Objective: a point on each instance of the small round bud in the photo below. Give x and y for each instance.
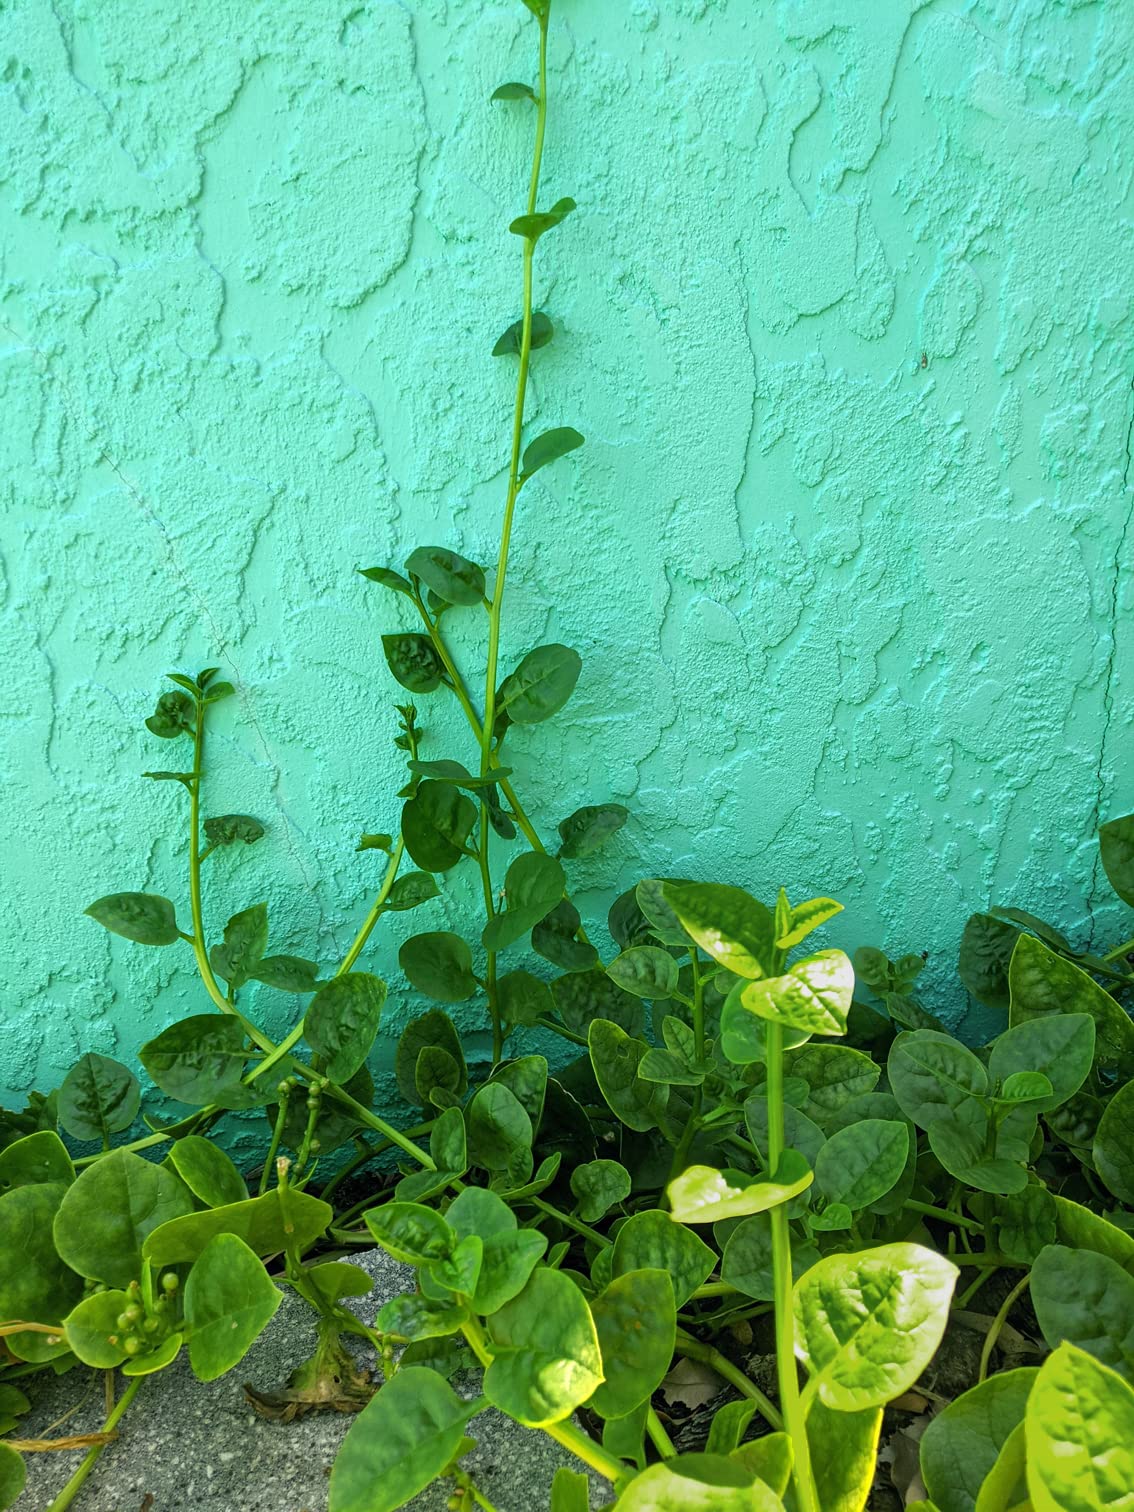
(315, 1147)
(170, 1281)
(284, 1088)
(132, 1345)
(152, 1325)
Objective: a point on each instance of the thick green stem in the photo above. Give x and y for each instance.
(69, 1492)
(658, 1436)
(694, 1349)
(786, 1368)
(945, 1215)
(998, 1323)
(1120, 951)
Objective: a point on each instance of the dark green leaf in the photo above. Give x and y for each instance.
(1043, 983)
(227, 829)
(549, 447)
(388, 578)
(173, 716)
(526, 1079)
(207, 1171)
(432, 1029)
(413, 661)
(229, 1301)
(858, 1165)
(511, 92)
(615, 1058)
(834, 1074)
(1024, 1222)
(1116, 848)
(198, 1060)
(510, 343)
(587, 829)
(411, 891)
(523, 998)
(287, 973)
(599, 1185)
(645, 971)
(245, 940)
(651, 1240)
(342, 1020)
(459, 775)
(747, 1259)
(584, 996)
(114, 1206)
(440, 965)
(540, 685)
(36, 1286)
(532, 227)
(636, 1321)
(1114, 1144)
(555, 938)
(533, 885)
(436, 822)
(186, 779)
(145, 918)
(499, 1130)
(99, 1097)
(451, 577)
(382, 842)
(986, 949)
(1088, 1299)
(1060, 1047)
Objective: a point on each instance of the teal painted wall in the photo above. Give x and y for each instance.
(846, 316)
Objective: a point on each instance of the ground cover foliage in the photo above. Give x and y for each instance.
(753, 1137)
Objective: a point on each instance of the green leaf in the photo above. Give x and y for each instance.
(436, 822)
(510, 1254)
(935, 1078)
(439, 964)
(800, 1133)
(834, 1075)
(1025, 1087)
(653, 908)
(92, 1329)
(867, 1325)
(510, 343)
(287, 973)
(804, 917)
(416, 1317)
(511, 92)
(335, 1279)
(1088, 1300)
(728, 1426)
(570, 1491)
(207, 1171)
(858, 1165)
(532, 227)
(636, 1322)
(99, 1097)
(198, 1060)
(526, 1079)
(1043, 983)
(388, 578)
(747, 1259)
(546, 1360)
(582, 997)
(727, 923)
(163, 1354)
(1080, 1436)
(229, 1301)
(245, 940)
(652, 1240)
(144, 918)
(13, 1475)
(1114, 1144)
(401, 1441)
(844, 1455)
(588, 829)
(814, 996)
(599, 1185)
(533, 885)
(458, 774)
(540, 685)
(430, 1030)
(499, 1130)
(342, 1020)
(228, 829)
(769, 1459)
(744, 1040)
(646, 971)
(698, 1483)
(34, 1159)
(450, 576)
(447, 1142)
(105, 1218)
(411, 891)
(260, 1222)
(1005, 1487)
(963, 1442)
(522, 997)
(413, 660)
(615, 1058)
(410, 1232)
(1079, 1228)
(36, 1286)
(704, 1195)
(1061, 1048)
(1024, 1222)
(986, 949)
(1116, 850)
(173, 716)
(555, 938)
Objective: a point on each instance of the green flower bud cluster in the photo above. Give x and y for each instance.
(140, 1329)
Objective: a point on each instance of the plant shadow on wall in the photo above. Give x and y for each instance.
(740, 1159)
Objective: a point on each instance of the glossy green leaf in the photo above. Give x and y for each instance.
(646, 971)
(433, 1029)
(1116, 850)
(844, 1455)
(342, 1020)
(546, 1359)
(34, 1159)
(99, 1097)
(814, 996)
(704, 1195)
(582, 997)
(934, 1077)
(207, 1171)
(245, 940)
(388, 579)
(1025, 1087)
(636, 1322)
(698, 1483)
(451, 577)
(588, 829)
(526, 1079)
(744, 1039)
(36, 1286)
(1079, 1429)
(556, 938)
(152, 1360)
(174, 715)
(728, 1426)
(1005, 1487)
(286, 973)
(615, 1058)
(417, 1317)
(986, 948)
(400, 1442)
(652, 1240)
(499, 1130)
(533, 227)
(570, 1491)
(800, 1133)
(510, 342)
(1079, 1228)
(769, 1459)
(229, 1301)
(260, 1222)
(533, 885)
(804, 917)
(92, 1329)
(509, 1260)
(867, 1325)
(747, 1259)
(413, 660)
(523, 998)
(411, 891)
(1061, 1048)
(1088, 1300)
(1024, 1222)
(231, 829)
(1043, 983)
(963, 1442)
(1114, 1144)
(858, 1165)
(107, 1215)
(727, 923)
(145, 918)
(410, 1232)
(834, 1074)
(598, 1186)
(198, 1060)
(540, 685)
(439, 964)
(436, 823)
(447, 1144)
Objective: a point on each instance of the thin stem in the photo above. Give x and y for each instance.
(561, 1029)
(277, 1135)
(373, 916)
(782, 1282)
(658, 1436)
(1120, 951)
(75, 1484)
(998, 1323)
(576, 1223)
(929, 1211)
(694, 1349)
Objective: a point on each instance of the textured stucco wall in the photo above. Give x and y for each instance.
(846, 316)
